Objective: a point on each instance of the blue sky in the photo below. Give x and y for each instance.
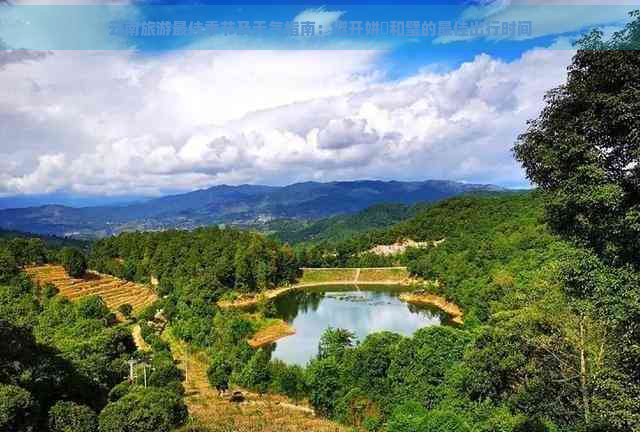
(86, 113)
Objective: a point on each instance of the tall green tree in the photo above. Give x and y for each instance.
(74, 262)
(584, 148)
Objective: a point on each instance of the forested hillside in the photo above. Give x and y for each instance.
(64, 365)
(222, 259)
(236, 205)
(52, 242)
(343, 226)
(549, 281)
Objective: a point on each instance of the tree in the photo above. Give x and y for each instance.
(256, 374)
(126, 310)
(219, 372)
(74, 262)
(323, 376)
(288, 380)
(144, 410)
(92, 307)
(334, 341)
(18, 409)
(49, 291)
(71, 417)
(584, 148)
(8, 266)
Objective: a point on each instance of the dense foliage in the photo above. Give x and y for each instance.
(74, 262)
(223, 259)
(341, 227)
(551, 332)
(583, 149)
(61, 361)
(549, 282)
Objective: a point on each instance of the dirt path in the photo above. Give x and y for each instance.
(268, 413)
(138, 340)
(355, 278)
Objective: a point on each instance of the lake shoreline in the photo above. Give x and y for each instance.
(281, 329)
(271, 334)
(252, 300)
(425, 298)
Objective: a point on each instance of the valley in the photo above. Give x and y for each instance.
(243, 206)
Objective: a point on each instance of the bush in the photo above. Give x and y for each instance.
(288, 380)
(407, 417)
(256, 374)
(71, 417)
(144, 410)
(219, 372)
(74, 262)
(126, 310)
(18, 410)
(119, 391)
(8, 266)
(49, 291)
(92, 307)
(324, 384)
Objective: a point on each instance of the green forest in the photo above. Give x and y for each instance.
(64, 366)
(549, 280)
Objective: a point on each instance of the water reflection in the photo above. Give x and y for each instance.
(362, 312)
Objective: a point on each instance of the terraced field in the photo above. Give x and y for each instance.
(114, 291)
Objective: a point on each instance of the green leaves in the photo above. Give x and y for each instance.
(584, 148)
(144, 410)
(74, 262)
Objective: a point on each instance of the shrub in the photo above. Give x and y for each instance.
(324, 383)
(18, 410)
(126, 310)
(144, 410)
(74, 262)
(71, 417)
(219, 372)
(288, 380)
(92, 307)
(407, 417)
(8, 266)
(49, 291)
(119, 391)
(256, 374)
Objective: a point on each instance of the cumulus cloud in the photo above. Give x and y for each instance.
(121, 123)
(548, 17)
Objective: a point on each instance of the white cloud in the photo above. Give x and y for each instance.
(119, 123)
(321, 17)
(548, 17)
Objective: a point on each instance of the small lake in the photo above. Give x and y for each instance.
(363, 310)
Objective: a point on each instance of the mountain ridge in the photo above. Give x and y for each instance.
(223, 204)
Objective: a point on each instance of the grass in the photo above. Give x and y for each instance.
(115, 292)
(214, 413)
(328, 275)
(394, 274)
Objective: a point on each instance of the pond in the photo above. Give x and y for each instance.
(363, 310)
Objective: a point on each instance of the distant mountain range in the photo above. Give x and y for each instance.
(236, 205)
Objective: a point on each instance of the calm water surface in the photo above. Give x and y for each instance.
(364, 311)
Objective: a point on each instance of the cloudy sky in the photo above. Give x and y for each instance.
(150, 120)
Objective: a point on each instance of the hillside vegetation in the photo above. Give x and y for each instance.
(113, 291)
(64, 364)
(236, 205)
(343, 226)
